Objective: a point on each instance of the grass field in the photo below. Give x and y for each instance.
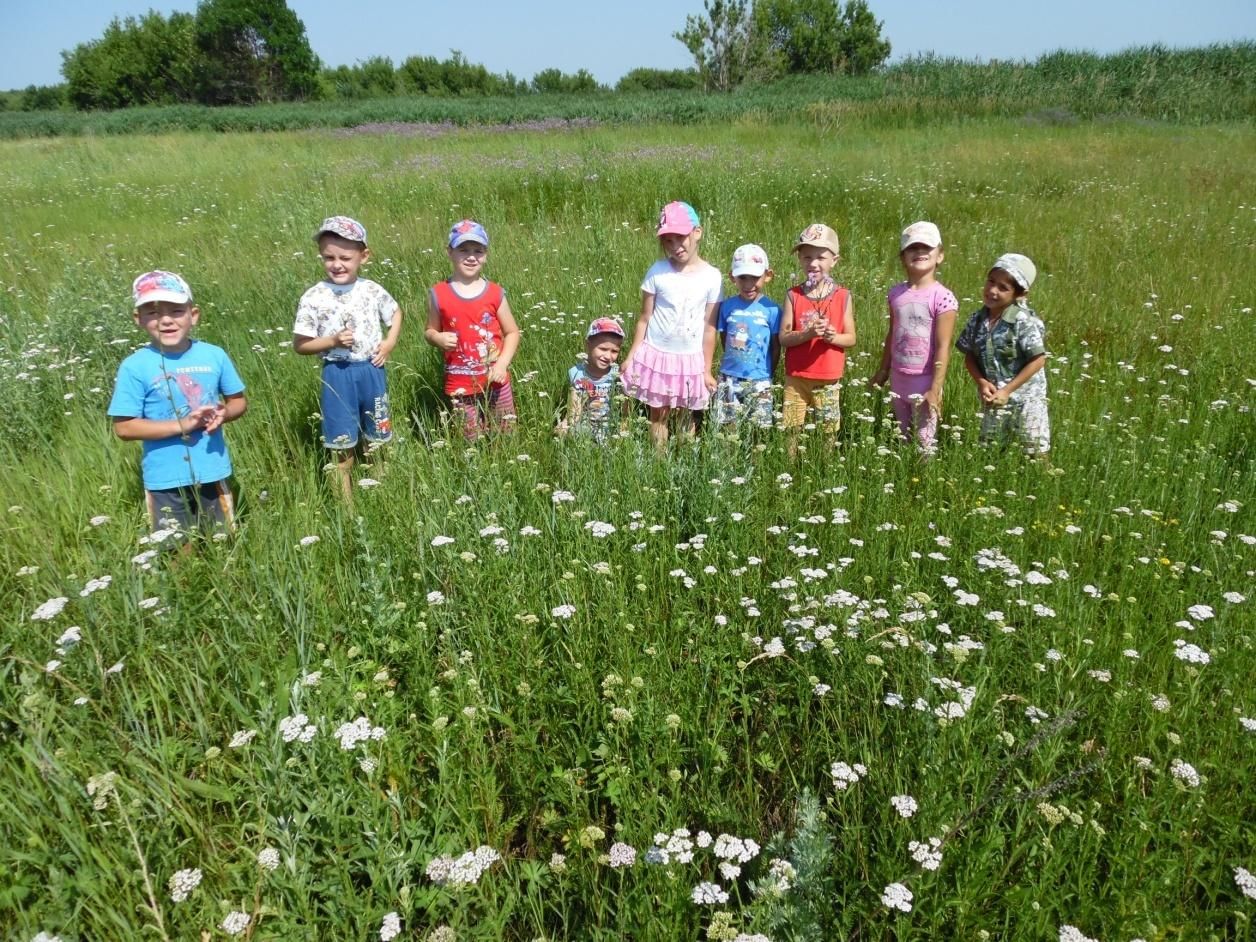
(1053, 663)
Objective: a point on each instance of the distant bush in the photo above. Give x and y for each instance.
(1217, 83)
(658, 80)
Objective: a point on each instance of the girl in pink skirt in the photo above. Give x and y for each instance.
(669, 364)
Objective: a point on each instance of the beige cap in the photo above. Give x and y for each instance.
(819, 235)
(920, 233)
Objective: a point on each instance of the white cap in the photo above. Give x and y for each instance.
(749, 259)
(922, 233)
(160, 286)
(1022, 270)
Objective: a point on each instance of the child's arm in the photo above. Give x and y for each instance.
(843, 338)
(445, 340)
(311, 345)
(789, 336)
(1000, 396)
(574, 411)
(985, 388)
(638, 330)
(499, 372)
(708, 345)
(943, 330)
(380, 356)
(883, 371)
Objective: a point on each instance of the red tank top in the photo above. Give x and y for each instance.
(479, 332)
(816, 359)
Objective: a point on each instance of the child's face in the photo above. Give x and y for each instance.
(341, 258)
(681, 249)
(816, 262)
(1000, 291)
(467, 260)
(169, 323)
(603, 352)
(920, 260)
(749, 287)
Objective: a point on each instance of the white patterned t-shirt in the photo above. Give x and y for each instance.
(363, 306)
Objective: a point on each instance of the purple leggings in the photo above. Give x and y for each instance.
(911, 410)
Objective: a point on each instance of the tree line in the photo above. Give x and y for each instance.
(233, 52)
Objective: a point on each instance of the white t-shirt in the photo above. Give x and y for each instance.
(680, 305)
(363, 306)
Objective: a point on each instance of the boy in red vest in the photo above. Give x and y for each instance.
(469, 320)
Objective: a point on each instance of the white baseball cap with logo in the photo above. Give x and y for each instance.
(749, 259)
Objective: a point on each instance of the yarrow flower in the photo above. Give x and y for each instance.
(599, 529)
(844, 776)
(1073, 934)
(390, 928)
(741, 850)
(464, 870)
(234, 923)
(241, 738)
(50, 609)
(1191, 653)
(905, 805)
(709, 894)
(360, 730)
(897, 896)
(1184, 772)
(183, 882)
(563, 611)
(297, 727)
(927, 855)
(1200, 612)
(1246, 882)
(622, 855)
(268, 858)
(95, 585)
(442, 540)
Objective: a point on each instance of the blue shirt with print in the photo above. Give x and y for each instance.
(748, 328)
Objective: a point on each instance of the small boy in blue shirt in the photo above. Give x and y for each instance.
(748, 325)
(175, 395)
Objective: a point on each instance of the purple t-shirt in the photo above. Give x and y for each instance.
(912, 312)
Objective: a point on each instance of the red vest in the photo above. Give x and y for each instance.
(479, 332)
(816, 359)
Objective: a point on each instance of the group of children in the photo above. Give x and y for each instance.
(175, 394)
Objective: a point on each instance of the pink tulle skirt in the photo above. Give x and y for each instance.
(666, 380)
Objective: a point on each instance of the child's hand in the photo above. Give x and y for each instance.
(343, 338)
(213, 418)
(986, 390)
(711, 383)
(445, 340)
(561, 428)
(933, 399)
(497, 374)
(380, 356)
(999, 399)
(880, 377)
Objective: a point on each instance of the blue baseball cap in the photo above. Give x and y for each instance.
(467, 230)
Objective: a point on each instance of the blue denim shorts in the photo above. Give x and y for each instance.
(354, 403)
(206, 507)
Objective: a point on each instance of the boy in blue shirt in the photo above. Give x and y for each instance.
(748, 325)
(175, 395)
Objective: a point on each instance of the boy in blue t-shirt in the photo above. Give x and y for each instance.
(748, 325)
(174, 395)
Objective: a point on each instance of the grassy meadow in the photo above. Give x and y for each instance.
(748, 706)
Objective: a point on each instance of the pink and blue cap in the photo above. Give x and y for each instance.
(467, 230)
(677, 218)
(605, 325)
(343, 226)
(160, 286)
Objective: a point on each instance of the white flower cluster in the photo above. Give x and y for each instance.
(360, 730)
(1184, 772)
(1246, 882)
(844, 776)
(736, 849)
(1073, 934)
(622, 855)
(50, 609)
(780, 878)
(390, 928)
(95, 585)
(234, 923)
(927, 855)
(905, 805)
(183, 882)
(709, 894)
(100, 787)
(297, 727)
(897, 896)
(599, 529)
(563, 611)
(241, 738)
(1191, 653)
(676, 847)
(462, 871)
(268, 858)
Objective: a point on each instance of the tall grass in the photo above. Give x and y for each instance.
(1216, 83)
(656, 702)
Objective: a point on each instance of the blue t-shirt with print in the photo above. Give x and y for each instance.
(153, 385)
(748, 328)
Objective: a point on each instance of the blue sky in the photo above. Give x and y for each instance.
(608, 39)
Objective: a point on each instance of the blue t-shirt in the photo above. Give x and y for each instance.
(593, 398)
(152, 385)
(748, 328)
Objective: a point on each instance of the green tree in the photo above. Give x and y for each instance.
(656, 80)
(720, 42)
(556, 82)
(252, 51)
(863, 46)
(151, 60)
